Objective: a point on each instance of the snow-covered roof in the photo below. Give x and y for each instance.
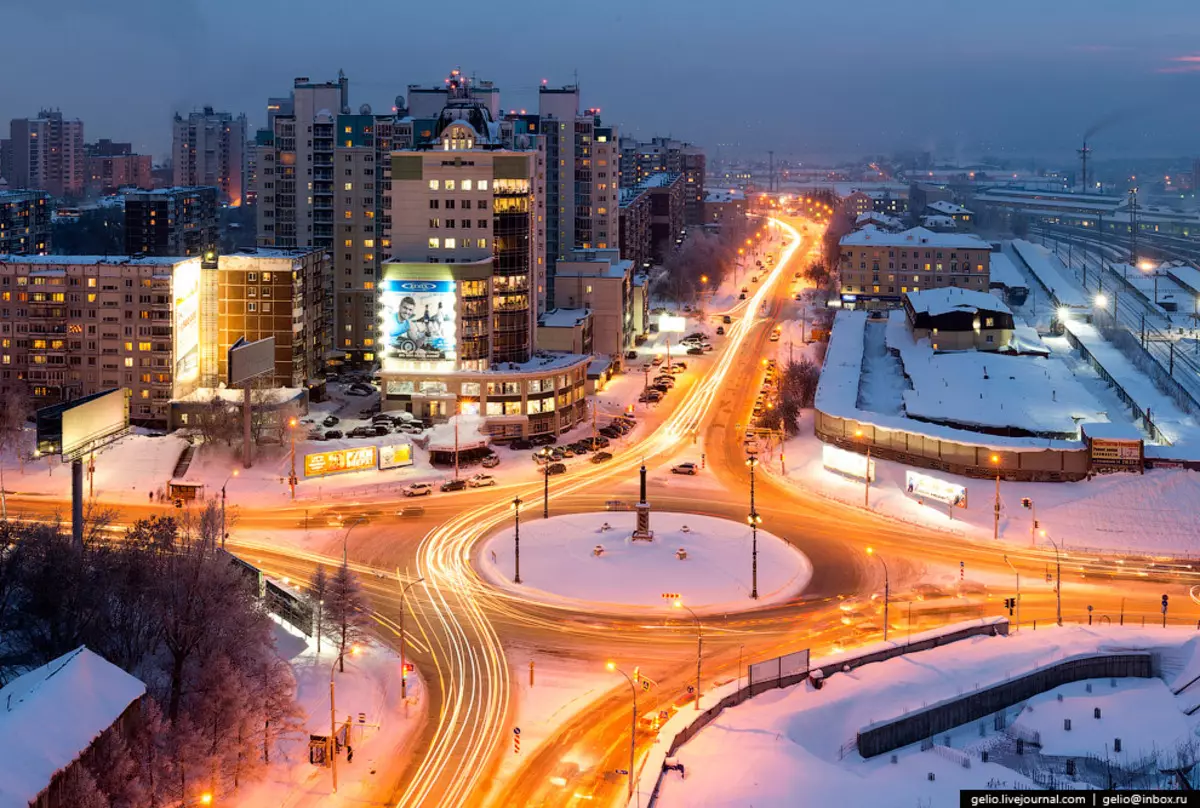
(881, 219)
(563, 318)
(541, 362)
(84, 260)
(936, 302)
(1004, 272)
(51, 715)
(948, 208)
(724, 196)
(871, 236)
(938, 221)
(1051, 274)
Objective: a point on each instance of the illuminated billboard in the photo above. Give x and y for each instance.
(338, 461)
(418, 320)
(926, 487)
(849, 464)
(392, 457)
(185, 311)
(671, 323)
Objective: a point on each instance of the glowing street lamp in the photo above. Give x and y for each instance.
(632, 722)
(292, 424)
(224, 534)
(996, 511)
(516, 506)
(354, 651)
(699, 646)
(887, 589)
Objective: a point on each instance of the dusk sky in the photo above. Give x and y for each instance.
(809, 79)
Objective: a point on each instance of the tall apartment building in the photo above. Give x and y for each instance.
(641, 160)
(582, 177)
(457, 308)
(286, 294)
(171, 221)
(74, 325)
(111, 166)
(47, 154)
(634, 224)
(209, 148)
(295, 165)
(877, 268)
(667, 203)
(24, 223)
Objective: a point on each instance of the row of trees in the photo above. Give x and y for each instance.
(701, 256)
(221, 421)
(166, 605)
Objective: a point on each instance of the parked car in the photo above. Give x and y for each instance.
(491, 461)
(579, 447)
(654, 395)
(333, 434)
(695, 351)
(745, 290)
(720, 331)
(656, 361)
(330, 420)
(417, 490)
(610, 432)
(316, 435)
(556, 468)
(595, 443)
(381, 430)
(727, 319)
(679, 366)
(600, 457)
(454, 485)
(774, 338)
(481, 480)
(566, 451)
(403, 418)
(361, 432)
(521, 443)
(706, 347)
(742, 296)
(542, 440)
(410, 428)
(753, 279)
(686, 468)
(631, 354)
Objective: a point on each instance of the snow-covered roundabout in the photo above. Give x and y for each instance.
(591, 562)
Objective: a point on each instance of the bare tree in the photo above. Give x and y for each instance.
(347, 611)
(319, 590)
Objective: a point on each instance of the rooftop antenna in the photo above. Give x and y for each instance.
(1133, 226)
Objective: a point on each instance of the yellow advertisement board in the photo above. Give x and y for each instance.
(339, 461)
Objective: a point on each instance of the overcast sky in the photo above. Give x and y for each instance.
(829, 79)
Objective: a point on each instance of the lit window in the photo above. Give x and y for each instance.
(368, 285)
(145, 394)
(451, 243)
(481, 243)
(369, 242)
(129, 361)
(348, 186)
(368, 357)
(482, 185)
(449, 185)
(434, 185)
(349, 214)
(434, 243)
(348, 242)
(466, 185)
(143, 346)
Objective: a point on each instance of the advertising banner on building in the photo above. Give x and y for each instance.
(1116, 455)
(419, 320)
(337, 461)
(923, 486)
(185, 294)
(395, 456)
(849, 464)
(670, 323)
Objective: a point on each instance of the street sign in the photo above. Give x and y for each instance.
(516, 730)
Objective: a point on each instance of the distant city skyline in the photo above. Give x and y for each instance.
(1021, 78)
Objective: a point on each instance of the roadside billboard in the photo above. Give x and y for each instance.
(250, 359)
(1108, 454)
(339, 461)
(926, 487)
(848, 464)
(419, 319)
(185, 314)
(670, 323)
(395, 456)
(92, 419)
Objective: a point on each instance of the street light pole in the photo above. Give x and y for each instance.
(1014, 569)
(292, 478)
(754, 520)
(632, 723)
(996, 512)
(346, 538)
(224, 534)
(403, 674)
(546, 482)
(333, 717)
(699, 646)
(516, 503)
(1057, 580)
(887, 590)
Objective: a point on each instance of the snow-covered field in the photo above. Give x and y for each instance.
(789, 747)
(559, 564)
(369, 686)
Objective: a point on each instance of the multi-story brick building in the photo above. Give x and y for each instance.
(876, 268)
(24, 222)
(634, 216)
(642, 160)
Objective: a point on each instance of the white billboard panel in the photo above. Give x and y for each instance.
(850, 464)
(94, 420)
(395, 456)
(419, 319)
(671, 323)
(250, 359)
(185, 294)
(927, 487)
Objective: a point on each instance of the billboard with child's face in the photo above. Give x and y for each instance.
(418, 320)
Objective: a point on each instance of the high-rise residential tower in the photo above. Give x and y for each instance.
(46, 153)
(209, 148)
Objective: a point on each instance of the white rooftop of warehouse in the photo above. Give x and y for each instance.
(936, 302)
(871, 236)
(948, 208)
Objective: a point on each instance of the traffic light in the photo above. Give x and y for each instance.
(407, 669)
(1026, 503)
(1164, 604)
(1010, 604)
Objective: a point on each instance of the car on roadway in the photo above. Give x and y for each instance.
(774, 338)
(556, 468)
(720, 331)
(656, 361)
(690, 469)
(742, 296)
(454, 485)
(481, 480)
(745, 290)
(631, 354)
(727, 319)
(417, 490)
(600, 457)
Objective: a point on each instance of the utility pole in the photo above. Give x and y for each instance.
(292, 477)
(1014, 569)
(1058, 581)
(403, 674)
(516, 503)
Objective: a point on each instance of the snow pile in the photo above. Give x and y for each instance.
(53, 714)
(559, 562)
